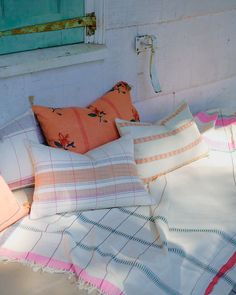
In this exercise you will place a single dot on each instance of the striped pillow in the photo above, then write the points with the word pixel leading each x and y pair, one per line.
pixel 164 146
pixel 206 120
pixel 15 163
pixel 102 178
pixel 10 209
pixel 226 117
pixel 223 136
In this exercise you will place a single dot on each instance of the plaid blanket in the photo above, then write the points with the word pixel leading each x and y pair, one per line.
pixel 185 244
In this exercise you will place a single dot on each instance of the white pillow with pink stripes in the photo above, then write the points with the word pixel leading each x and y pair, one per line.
pixel 15 163
pixel 102 178
pixel 206 120
pixel 166 145
pixel 223 136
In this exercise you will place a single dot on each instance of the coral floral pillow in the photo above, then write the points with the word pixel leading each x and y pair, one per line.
pixel 82 129
pixel 10 209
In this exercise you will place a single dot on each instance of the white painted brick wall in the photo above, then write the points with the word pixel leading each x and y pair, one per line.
pixel 196 59
pixel 195 51
pixel 140 12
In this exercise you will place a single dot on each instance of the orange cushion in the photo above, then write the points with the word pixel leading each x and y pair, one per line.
pixel 82 129
pixel 10 209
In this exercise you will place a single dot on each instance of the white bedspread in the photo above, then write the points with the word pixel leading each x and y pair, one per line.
pixel 185 244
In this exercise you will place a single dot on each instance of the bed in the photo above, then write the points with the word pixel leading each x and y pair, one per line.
pixel 183 243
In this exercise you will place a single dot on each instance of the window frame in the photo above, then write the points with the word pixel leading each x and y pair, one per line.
pixel 97 6
pixel 31 61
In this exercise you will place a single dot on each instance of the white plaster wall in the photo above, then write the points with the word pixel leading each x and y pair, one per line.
pixel 196 60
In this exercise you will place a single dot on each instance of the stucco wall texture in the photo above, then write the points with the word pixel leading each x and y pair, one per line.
pixel 196 60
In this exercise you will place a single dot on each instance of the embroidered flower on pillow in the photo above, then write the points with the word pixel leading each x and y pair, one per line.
pixel 135 117
pixel 63 142
pixel 80 129
pixel 56 111
pixel 96 113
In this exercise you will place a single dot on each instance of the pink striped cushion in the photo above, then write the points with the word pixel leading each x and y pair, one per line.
pixel 102 178
pixel 166 145
pixel 15 163
pixel 10 209
pixel 226 117
pixel 206 120
pixel 223 136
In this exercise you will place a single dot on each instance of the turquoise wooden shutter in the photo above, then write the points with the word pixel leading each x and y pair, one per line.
pixel 20 13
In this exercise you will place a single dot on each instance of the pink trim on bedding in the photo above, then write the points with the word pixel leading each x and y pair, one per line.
pixel 225 121
pixel 107 287
pixel 226 267
pixel 21 183
pixel 206 118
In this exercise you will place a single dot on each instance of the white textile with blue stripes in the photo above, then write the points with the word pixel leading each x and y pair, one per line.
pixel 184 244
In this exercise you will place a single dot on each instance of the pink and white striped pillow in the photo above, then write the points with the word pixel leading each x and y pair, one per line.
pixel 102 178
pixel 15 163
pixel 166 145
pixel 223 136
pixel 226 117
pixel 206 120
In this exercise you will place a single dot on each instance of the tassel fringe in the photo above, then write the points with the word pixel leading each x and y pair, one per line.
pixel 78 282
